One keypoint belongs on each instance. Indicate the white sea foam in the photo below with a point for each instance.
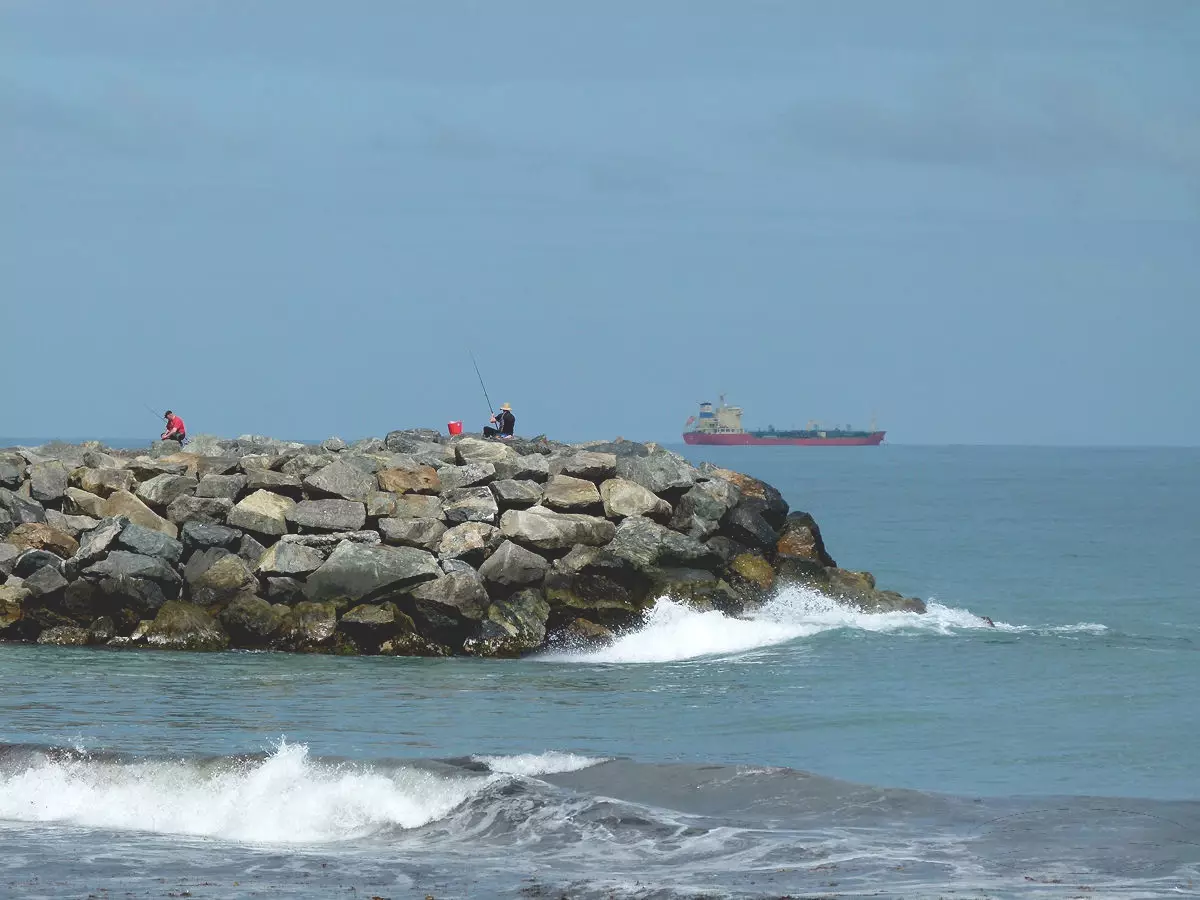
(674, 632)
(534, 764)
(284, 798)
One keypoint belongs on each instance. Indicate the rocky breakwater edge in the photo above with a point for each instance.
(417, 544)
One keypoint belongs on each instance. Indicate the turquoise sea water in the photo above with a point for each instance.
(1051, 753)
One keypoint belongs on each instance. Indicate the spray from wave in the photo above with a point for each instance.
(673, 632)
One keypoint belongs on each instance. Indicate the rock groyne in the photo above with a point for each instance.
(416, 544)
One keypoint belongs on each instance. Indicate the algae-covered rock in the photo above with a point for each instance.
(65, 636)
(512, 627)
(185, 626)
(251, 622)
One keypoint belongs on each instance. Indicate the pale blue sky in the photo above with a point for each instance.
(981, 220)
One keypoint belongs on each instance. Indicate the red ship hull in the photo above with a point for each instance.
(874, 439)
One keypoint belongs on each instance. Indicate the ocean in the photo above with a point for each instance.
(809, 751)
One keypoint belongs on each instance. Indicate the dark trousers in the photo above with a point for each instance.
(489, 431)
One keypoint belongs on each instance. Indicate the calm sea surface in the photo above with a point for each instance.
(809, 751)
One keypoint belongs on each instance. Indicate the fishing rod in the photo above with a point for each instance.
(481, 384)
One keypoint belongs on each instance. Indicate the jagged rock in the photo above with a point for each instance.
(459, 595)
(128, 506)
(568, 494)
(511, 565)
(746, 524)
(290, 559)
(102, 630)
(12, 599)
(581, 633)
(341, 479)
(333, 445)
(800, 538)
(161, 490)
(380, 504)
(72, 525)
(46, 580)
(139, 539)
(619, 447)
(252, 622)
(623, 498)
(40, 536)
(95, 458)
(545, 529)
(409, 439)
(211, 510)
(21, 510)
(471, 475)
(215, 576)
(250, 550)
(202, 465)
(753, 569)
(102, 482)
(6, 522)
(304, 464)
(8, 557)
(775, 508)
(357, 572)
(284, 589)
(328, 515)
(699, 511)
(222, 486)
(185, 626)
(423, 533)
(725, 548)
(587, 465)
(48, 481)
(331, 539)
(415, 480)
(145, 468)
(512, 627)
(203, 535)
(648, 545)
(262, 512)
(471, 542)
(65, 636)
(660, 472)
(97, 542)
(123, 564)
(275, 482)
(470, 504)
(524, 468)
(310, 627)
(476, 450)
(416, 506)
(512, 494)
(12, 470)
(370, 624)
(79, 503)
(29, 561)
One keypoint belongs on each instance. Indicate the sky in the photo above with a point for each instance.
(979, 222)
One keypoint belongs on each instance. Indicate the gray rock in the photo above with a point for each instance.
(533, 467)
(185, 626)
(213, 465)
(333, 445)
(514, 566)
(661, 472)
(310, 627)
(423, 533)
(250, 549)
(699, 511)
(161, 490)
(123, 564)
(586, 464)
(356, 572)
(8, 557)
(275, 482)
(81, 503)
(328, 515)
(472, 504)
(512, 627)
(126, 505)
(370, 624)
(48, 481)
(46, 580)
(138, 539)
(72, 525)
(470, 475)
(746, 524)
(29, 561)
(471, 542)
(341, 479)
(251, 622)
(226, 486)
(646, 544)
(102, 482)
(262, 512)
(512, 494)
(545, 529)
(12, 470)
(65, 636)
(408, 440)
(568, 494)
(144, 468)
(460, 594)
(476, 450)
(202, 536)
(95, 458)
(211, 510)
(97, 542)
(417, 506)
(21, 509)
(304, 464)
(290, 559)
(332, 539)
(380, 504)
(725, 548)
(456, 566)
(284, 589)
(216, 576)
(771, 505)
(102, 630)
(623, 498)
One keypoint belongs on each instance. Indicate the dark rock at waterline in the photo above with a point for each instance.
(251, 622)
(185, 626)
(513, 626)
(355, 572)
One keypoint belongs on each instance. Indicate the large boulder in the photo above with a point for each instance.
(77, 503)
(148, 542)
(471, 542)
(512, 566)
(96, 543)
(123, 564)
(623, 498)
(12, 599)
(214, 577)
(20, 509)
(470, 475)
(185, 626)
(251, 622)
(263, 479)
(567, 494)
(102, 482)
(262, 513)
(477, 450)
(310, 627)
(203, 535)
(72, 525)
(46, 580)
(646, 545)
(12, 470)
(65, 636)
(586, 464)
(747, 524)
(699, 511)
(223, 486)
(48, 481)
(513, 626)
(544, 529)
(470, 504)
(800, 539)
(286, 558)
(8, 558)
(40, 536)
(532, 467)
(660, 472)
(449, 600)
(357, 572)
(423, 533)
(212, 510)
(511, 494)
(128, 506)
(328, 515)
(161, 491)
(417, 506)
(774, 508)
(369, 625)
(342, 480)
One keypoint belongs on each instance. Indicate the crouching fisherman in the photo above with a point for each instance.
(503, 423)
(176, 430)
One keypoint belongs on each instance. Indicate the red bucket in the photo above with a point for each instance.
(454, 427)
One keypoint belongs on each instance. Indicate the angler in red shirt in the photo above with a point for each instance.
(176, 430)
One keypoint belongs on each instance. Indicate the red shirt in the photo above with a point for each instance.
(174, 423)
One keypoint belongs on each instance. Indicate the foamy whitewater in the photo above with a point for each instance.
(805, 750)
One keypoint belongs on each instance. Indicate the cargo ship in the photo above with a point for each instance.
(723, 426)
